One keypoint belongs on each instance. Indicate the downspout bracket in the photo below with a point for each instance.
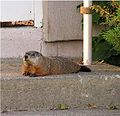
(85, 10)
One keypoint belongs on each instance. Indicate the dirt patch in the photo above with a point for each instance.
(11, 67)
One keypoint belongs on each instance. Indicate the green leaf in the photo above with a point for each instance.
(62, 106)
(96, 18)
(102, 49)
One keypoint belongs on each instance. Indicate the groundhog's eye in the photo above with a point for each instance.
(32, 54)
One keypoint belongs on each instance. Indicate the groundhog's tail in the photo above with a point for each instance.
(85, 69)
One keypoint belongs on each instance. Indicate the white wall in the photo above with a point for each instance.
(17, 10)
(16, 41)
(21, 11)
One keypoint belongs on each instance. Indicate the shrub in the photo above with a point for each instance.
(107, 45)
(113, 37)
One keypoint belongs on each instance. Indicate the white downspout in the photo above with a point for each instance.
(87, 35)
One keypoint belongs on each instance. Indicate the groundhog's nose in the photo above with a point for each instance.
(26, 57)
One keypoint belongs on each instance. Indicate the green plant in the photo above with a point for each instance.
(107, 45)
(102, 50)
(113, 37)
(106, 11)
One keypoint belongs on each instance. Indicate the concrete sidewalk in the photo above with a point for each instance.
(65, 113)
(98, 89)
(73, 90)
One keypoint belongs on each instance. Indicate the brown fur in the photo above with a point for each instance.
(39, 65)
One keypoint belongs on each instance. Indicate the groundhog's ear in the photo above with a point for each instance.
(40, 54)
(26, 53)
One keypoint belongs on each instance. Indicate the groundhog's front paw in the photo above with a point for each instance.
(33, 75)
(26, 74)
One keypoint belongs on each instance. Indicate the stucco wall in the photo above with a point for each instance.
(65, 49)
(62, 21)
(16, 41)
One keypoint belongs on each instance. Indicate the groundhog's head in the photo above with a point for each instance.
(32, 57)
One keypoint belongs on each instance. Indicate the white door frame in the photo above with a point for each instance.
(38, 13)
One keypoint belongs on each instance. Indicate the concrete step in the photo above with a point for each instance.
(82, 90)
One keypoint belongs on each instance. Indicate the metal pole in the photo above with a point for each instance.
(87, 35)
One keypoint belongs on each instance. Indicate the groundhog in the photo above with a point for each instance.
(35, 64)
